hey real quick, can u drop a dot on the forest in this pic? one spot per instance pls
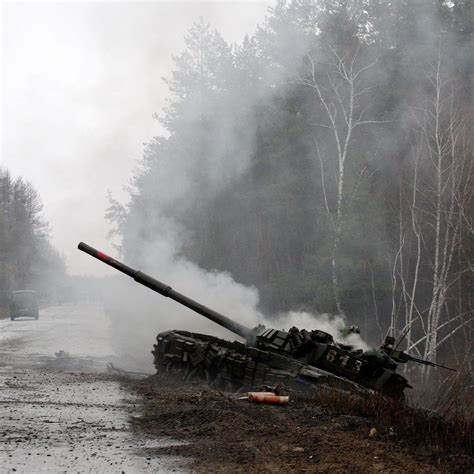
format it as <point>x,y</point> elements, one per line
<point>327,161</point>
<point>27,258</point>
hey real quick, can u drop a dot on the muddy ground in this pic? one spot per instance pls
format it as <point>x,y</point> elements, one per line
<point>226,434</point>
<point>63,410</point>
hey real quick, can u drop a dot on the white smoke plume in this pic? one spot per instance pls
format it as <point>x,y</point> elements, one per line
<point>332,324</point>
<point>158,236</point>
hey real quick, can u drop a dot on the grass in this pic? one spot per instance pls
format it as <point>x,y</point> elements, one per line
<point>412,426</point>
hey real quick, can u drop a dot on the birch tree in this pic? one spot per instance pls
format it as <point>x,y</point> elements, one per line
<point>438,200</point>
<point>340,86</point>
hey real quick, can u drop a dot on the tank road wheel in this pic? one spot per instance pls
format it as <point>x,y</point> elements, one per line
<point>229,387</point>
<point>170,369</point>
<point>216,382</point>
<point>211,377</point>
<point>176,369</point>
<point>194,373</point>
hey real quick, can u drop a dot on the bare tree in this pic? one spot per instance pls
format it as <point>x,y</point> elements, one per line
<point>340,87</point>
<point>438,198</point>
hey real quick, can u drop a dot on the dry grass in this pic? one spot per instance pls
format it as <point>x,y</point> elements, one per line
<point>412,426</point>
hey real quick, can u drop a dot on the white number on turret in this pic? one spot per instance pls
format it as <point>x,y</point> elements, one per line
<point>331,356</point>
<point>343,361</point>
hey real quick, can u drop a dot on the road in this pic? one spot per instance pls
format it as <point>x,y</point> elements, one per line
<point>61,409</point>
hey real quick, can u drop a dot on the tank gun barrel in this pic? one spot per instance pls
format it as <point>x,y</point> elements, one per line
<point>389,348</point>
<point>404,357</point>
<point>167,291</point>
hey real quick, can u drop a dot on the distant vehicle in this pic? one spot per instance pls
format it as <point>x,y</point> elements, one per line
<point>24,304</point>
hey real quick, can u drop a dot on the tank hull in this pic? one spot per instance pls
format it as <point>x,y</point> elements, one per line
<point>233,366</point>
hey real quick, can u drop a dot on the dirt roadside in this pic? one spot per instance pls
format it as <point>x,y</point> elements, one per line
<point>225,434</point>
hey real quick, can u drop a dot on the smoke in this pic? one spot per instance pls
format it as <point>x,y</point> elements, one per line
<point>104,61</point>
<point>176,185</point>
<point>137,315</point>
<point>173,189</point>
<point>332,324</point>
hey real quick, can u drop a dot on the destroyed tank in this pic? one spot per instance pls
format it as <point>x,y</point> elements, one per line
<point>297,359</point>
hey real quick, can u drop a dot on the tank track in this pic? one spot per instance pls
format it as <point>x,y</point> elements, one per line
<point>235,367</point>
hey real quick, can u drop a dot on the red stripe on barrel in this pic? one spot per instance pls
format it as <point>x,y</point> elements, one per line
<point>102,256</point>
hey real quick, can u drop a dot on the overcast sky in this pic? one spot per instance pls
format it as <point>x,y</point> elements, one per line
<point>80,84</point>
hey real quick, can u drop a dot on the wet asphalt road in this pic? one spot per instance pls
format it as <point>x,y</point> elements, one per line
<point>63,411</point>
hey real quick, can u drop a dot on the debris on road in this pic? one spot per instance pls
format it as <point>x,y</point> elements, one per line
<point>270,398</point>
<point>373,432</point>
<point>111,368</point>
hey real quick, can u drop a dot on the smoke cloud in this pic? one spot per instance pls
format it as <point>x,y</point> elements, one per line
<point>178,186</point>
